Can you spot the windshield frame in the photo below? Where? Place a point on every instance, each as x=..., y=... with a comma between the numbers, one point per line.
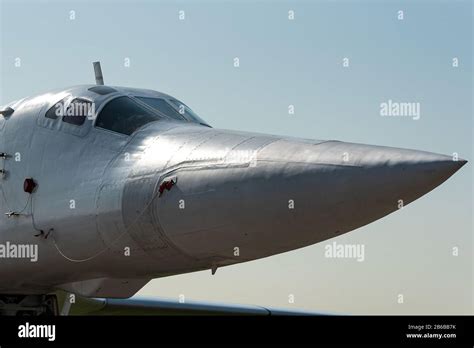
x=188, y=113
x=140, y=98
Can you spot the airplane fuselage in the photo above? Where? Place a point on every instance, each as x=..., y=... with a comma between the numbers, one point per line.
x=174, y=197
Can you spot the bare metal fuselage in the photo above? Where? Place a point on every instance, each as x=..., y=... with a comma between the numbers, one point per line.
x=237, y=196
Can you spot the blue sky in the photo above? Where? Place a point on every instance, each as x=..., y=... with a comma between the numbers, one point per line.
x=290, y=62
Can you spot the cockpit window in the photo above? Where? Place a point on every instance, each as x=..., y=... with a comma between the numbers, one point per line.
x=55, y=111
x=123, y=115
x=74, y=112
x=162, y=106
x=188, y=113
x=77, y=112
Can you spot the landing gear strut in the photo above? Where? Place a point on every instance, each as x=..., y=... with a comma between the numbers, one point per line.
x=29, y=305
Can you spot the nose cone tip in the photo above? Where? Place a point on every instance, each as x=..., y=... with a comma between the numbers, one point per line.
x=406, y=174
x=461, y=163
x=425, y=171
x=429, y=162
x=450, y=166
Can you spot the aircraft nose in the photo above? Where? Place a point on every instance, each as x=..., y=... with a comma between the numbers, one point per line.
x=335, y=187
x=295, y=194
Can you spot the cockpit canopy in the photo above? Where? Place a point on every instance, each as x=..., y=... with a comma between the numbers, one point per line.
x=120, y=110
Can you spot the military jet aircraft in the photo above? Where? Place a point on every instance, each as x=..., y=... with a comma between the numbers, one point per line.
x=104, y=188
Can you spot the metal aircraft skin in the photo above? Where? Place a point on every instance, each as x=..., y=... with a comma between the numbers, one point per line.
x=112, y=207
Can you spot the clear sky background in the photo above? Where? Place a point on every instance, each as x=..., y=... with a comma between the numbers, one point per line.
x=296, y=62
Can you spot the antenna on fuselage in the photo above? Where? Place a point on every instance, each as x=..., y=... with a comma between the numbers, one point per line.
x=99, y=79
